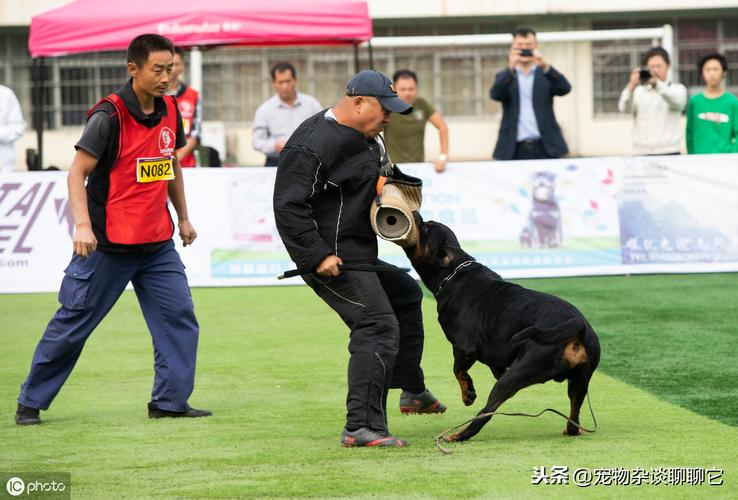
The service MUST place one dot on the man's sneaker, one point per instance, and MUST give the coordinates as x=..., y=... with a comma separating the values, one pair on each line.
x=155, y=412
x=425, y=402
x=25, y=415
x=368, y=437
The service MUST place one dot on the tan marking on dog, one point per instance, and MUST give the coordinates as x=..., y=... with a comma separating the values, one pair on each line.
x=463, y=379
x=462, y=382
x=574, y=353
x=417, y=251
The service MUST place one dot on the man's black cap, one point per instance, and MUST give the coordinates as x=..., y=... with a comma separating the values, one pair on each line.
x=373, y=83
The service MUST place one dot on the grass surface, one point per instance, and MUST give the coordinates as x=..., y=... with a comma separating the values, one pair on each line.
x=673, y=335
x=272, y=367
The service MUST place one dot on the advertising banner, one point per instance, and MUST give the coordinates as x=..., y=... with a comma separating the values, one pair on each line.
x=527, y=218
x=523, y=219
x=35, y=231
x=678, y=212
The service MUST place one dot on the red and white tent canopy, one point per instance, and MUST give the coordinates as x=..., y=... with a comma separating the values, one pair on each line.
x=97, y=25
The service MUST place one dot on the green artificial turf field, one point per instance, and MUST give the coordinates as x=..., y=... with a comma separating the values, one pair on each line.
x=272, y=367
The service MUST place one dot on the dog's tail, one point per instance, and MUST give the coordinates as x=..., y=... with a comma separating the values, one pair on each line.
x=560, y=334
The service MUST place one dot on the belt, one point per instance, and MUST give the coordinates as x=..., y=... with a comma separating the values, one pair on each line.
x=529, y=143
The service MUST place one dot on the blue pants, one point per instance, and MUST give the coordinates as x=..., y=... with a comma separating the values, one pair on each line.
x=90, y=288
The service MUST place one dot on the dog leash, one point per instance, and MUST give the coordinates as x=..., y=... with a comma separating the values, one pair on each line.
x=370, y=268
x=445, y=280
x=443, y=436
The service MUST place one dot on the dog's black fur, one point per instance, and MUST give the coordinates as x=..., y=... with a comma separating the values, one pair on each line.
x=525, y=337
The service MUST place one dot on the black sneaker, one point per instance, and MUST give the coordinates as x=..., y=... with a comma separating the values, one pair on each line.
x=368, y=437
x=25, y=415
x=155, y=412
x=425, y=402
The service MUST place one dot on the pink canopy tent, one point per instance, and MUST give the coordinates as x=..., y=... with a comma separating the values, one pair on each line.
x=96, y=25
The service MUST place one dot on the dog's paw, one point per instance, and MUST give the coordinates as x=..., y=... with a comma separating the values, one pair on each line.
x=456, y=436
x=469, y=397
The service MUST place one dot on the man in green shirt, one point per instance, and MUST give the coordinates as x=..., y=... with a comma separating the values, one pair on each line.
x=712, y=116
x=404, y=134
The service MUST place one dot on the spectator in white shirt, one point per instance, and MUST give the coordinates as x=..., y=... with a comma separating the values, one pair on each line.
x=12, y=127
x=656, y=104
x=281, y=114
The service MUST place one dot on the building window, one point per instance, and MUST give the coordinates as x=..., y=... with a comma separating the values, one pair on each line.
x=693, y=38
x=613, y=60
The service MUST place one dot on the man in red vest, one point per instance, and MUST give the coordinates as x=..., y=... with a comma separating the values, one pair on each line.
x=123, y=233
x=188, y=102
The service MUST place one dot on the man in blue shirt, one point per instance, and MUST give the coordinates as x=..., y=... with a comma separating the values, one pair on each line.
x=526, y=89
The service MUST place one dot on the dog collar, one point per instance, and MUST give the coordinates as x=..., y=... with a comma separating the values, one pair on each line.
x=445, y=280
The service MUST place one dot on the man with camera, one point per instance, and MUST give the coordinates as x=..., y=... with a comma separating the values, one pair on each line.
x=526, y=89
x=656, y=104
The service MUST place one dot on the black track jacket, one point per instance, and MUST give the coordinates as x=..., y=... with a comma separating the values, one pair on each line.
x=325, y=185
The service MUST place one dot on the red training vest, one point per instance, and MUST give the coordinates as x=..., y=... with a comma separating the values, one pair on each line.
x=136, y=208
x=187, y=103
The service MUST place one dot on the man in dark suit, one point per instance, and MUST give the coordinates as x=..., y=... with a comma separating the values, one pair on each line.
x=526, y=89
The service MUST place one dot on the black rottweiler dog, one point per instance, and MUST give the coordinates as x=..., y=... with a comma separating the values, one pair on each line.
x=525, y=337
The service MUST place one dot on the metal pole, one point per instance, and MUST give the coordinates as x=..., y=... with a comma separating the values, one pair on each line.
x=42, y=92
x=504, y=39
x=371, y=55
x=35, y=117
x=196, y=69
x=357, y=65
x=196, y=83
x=37, y=96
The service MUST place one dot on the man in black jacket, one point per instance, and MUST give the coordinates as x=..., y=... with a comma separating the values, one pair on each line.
x=526, y=89
x=325, y=185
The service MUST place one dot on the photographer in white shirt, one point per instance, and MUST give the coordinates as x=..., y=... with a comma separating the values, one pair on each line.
x=656, y=104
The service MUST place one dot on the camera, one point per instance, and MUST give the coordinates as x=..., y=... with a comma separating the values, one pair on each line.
x=526, y=53
x=645, y=75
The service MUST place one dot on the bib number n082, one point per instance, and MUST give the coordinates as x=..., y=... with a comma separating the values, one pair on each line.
x=154, y=169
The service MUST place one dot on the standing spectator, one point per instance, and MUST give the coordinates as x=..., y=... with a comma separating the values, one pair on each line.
x=12, y=128
x=405, y=134
x=526, y=89
x=325, y=185
x=190, y=107
x=280, y=115
x=712, y=116
x=656, y=104
x=119, y=181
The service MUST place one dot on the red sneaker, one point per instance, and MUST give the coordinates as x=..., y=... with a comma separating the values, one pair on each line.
x=368, y=437
x=425, y=402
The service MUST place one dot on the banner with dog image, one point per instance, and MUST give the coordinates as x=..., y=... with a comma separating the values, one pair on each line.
x=677, y=213
x=562, y=217
x=528, y=218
